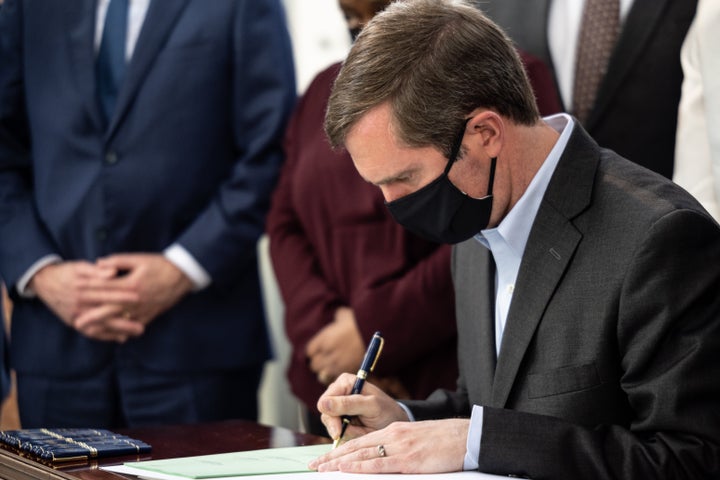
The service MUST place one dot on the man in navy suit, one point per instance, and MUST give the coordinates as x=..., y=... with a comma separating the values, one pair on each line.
x=139, y=144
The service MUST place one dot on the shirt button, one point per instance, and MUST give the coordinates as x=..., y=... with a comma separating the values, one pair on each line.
x=111, y=158
x=510, y=289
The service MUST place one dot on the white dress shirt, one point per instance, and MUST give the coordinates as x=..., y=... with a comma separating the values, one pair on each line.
x=697, y=147
x=136, y=18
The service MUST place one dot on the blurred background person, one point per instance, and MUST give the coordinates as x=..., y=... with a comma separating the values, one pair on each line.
x=137, y=160
x=697, y=149
x=616, y=64
x=345, y=268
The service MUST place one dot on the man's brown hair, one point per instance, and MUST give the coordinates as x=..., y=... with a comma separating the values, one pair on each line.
x=434, y=61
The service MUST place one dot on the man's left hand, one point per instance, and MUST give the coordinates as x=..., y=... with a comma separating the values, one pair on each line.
x=434, y=446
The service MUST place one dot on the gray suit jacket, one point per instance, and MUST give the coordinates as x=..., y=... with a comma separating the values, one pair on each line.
x=609, y=363
x=636, y=109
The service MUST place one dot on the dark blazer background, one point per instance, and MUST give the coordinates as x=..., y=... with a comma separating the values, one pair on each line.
x=609, y=365
x=636, y=109
x=190, y=156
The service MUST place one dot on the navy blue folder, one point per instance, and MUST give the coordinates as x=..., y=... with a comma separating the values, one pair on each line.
x=58, y=445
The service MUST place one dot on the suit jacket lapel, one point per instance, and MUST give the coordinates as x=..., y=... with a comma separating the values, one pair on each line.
x=473, y=279
x=642, y=19
x=553, y=240
x=159, y=21
x=80, y=19
x=481, y=333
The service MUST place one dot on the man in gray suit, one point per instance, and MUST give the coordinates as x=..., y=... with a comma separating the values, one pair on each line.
x=587, y=286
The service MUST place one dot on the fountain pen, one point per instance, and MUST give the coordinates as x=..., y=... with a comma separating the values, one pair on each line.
x=368, y=365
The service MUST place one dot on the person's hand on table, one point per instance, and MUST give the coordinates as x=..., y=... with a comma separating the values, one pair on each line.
x=381, y=439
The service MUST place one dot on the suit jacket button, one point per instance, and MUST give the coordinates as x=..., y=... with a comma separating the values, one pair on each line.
x=111, y=158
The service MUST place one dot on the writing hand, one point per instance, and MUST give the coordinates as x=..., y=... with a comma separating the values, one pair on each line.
x=336, y=348
x=436, y=446
x=373, y=409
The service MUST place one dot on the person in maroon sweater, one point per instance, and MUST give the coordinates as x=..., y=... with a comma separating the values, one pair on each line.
x=346, y=269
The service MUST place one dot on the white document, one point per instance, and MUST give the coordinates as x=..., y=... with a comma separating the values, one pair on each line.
x=144, y=474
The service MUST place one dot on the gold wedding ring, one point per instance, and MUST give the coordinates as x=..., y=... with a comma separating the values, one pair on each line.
x=381, y=451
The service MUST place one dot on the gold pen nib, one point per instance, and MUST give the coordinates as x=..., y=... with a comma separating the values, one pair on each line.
x=336, y=442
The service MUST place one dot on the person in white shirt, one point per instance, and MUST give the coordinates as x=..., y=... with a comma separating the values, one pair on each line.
x=697, y=147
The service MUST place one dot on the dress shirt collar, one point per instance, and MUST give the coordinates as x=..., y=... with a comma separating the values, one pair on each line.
x=515, y=227
x=136, y=18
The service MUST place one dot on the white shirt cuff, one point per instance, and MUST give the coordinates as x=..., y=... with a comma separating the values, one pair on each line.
x=22, y=285
x=472, y=452
x=183, y=260
x=411, y=417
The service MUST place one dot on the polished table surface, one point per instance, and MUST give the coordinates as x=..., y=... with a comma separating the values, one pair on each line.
x=166, y=442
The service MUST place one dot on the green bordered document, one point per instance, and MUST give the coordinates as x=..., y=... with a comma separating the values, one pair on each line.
x=252, y=462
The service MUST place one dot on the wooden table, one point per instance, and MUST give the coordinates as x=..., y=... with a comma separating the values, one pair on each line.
x=166, y=442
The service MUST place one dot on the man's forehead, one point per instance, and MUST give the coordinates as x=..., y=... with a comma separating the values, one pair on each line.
x=376, y=122
x=378, y=155
x=372, y=144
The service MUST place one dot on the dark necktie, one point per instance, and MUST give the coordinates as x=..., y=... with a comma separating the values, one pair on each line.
x=599, y=30
x=110, y=67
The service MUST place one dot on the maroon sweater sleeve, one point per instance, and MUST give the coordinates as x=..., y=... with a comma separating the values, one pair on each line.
x=414, y=310
x=333, y=243
x=310, y=302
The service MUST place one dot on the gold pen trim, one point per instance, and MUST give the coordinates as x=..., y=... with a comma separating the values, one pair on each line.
x=377, y=355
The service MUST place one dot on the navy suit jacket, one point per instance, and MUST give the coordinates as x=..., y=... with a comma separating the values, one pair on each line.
x=190, y=156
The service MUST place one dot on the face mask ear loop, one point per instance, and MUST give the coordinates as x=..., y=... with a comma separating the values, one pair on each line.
x=493, y=160
x=456, y=147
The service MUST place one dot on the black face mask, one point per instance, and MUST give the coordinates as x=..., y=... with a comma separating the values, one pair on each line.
x=440, y=212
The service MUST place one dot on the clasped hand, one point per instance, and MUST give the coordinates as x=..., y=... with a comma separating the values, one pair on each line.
x=338, y=347
x=407, y=447
x=114, y=298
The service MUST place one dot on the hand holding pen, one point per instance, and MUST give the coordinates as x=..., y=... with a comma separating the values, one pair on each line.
x=368, y=365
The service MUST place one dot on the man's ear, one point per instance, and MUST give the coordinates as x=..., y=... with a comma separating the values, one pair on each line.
x=490, y=130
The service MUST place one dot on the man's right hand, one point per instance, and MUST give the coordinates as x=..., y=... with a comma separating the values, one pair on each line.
x=65, y=289
x=373, y=408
